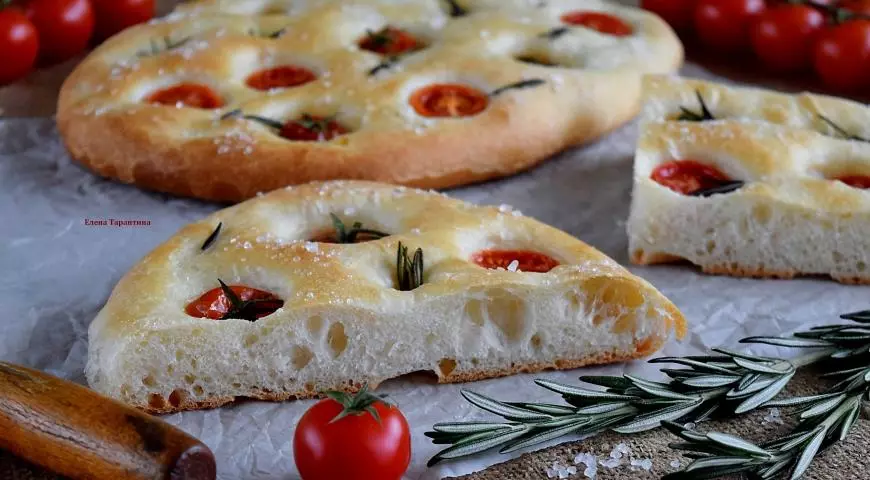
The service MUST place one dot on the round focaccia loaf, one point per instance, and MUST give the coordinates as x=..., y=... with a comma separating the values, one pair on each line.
x=343, y=322
x=108, y=122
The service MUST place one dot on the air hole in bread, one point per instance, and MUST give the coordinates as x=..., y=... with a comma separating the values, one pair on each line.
x=301, y=356
x=309, y=387
x=149, y=381
x=837, y=256
x=156, y=401
x=536, y=341
x=197, y=389
x=431, y=337
x=251, y=339
x=193, y=363
x=861, y=266
x=475, y=361
x=190, y=379
x=179, y=354
x=446, y=366
x=314, y=324
x=615, y=301
x=504, y=310
x=761, y=213
x=336, y=338
x=170, y=369
x=177, y=397
x=711, y=246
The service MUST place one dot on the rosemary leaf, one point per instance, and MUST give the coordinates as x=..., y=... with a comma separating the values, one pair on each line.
x=532, y=82
x=212, y=237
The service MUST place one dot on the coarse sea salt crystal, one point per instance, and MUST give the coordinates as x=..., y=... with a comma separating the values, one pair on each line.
x=675, y=463
x=505, y=208
x=512, y=267
x=610, y=463
x=312, y=247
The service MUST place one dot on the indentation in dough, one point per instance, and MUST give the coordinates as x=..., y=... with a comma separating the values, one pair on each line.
x=336, y=338
x=301, y=356
x=501, y=308
x=177, y=397
x=761, y=213
x=446, y=366
x=251, y=339
x=314, y=324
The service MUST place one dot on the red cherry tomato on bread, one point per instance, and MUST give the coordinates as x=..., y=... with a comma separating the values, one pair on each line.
x=678, y=13
x=116, y=15
x=601, y=22
x=783, y=37
x=724, y=24
x=19, y=42
x=842, y=56
x=526, y=261
x=214, y=303
x=340, y=438
x=64, y=26
x=688, y=176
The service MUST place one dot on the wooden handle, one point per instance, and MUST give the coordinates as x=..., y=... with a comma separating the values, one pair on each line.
x=73, y=431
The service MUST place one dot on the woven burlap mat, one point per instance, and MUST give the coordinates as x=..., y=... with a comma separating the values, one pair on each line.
x=847, y=460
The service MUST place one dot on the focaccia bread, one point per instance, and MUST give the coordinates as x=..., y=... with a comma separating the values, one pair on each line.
x=752, y=182
x=419, y=93
x=498, y=293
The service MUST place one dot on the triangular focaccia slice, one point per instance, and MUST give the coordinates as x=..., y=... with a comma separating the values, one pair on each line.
x=773, y=185
x=342, y=322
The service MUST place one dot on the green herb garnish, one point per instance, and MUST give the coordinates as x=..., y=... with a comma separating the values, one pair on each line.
x=409, y=271
x=249, y=310
x=690, y=116
x=156, y=48
x=532, y=82
x=357, y=404
x=211, y=238
x=842, y=131
x=345, y=235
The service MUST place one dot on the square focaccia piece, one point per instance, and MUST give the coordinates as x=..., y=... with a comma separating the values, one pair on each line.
x=750, y=182
x=311, y=289
x=227, y=98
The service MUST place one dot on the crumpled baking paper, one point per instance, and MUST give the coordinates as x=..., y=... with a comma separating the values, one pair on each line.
x=57, y=272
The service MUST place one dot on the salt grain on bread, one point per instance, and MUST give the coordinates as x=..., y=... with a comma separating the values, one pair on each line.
x=343, y=323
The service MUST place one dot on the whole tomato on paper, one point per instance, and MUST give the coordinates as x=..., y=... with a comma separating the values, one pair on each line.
x=19, y=44
x=116, y=15
x=724, y=24
x=64, y=26
x=678, y=13
x=352, y=437
x=842, y=56
x=783, y=37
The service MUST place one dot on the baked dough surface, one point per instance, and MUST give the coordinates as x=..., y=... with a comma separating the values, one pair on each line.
x=790, y=218
x=108, y=126
x=343, y=323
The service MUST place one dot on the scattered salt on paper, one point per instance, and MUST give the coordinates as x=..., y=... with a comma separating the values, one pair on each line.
x=773, y=416
x=590, y=461
x=644, y=463
x=675, y=463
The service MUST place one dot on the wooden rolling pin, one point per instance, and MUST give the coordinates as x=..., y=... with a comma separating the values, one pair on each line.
x=73, y=431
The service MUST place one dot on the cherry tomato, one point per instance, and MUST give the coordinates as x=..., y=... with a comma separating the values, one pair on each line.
x=783, y=37
x=724, y=24
x=280, y=77
x=856, y=181
x=688, y=176
x=448, y=100
x=678, y=13
x=19, y=42
x=187, y=95
x=842, y=56
x=527, y=261
x=116, y=15
x=860, y=7
x=214, y=303
x=601, y=22
x=356, y=446
x=312, y=128
x=64, y=26
x=389, y=41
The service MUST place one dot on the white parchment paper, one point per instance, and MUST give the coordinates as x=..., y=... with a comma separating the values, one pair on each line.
x=57, y=272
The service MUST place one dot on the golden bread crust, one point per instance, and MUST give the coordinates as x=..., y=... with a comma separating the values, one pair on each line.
x=107, y=126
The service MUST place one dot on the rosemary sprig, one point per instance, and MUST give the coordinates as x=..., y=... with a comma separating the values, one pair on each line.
x=710, y=386
x=726, y=186
x=824, y=419
x=156, y=48
x=212, y=237
x=409, y=270
x=315, y=124
x=249, y=310
x=256, y=32
x=345, y=235
x=690, y=116
x=532, y=82
x=841, y=131
x=385, y=64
